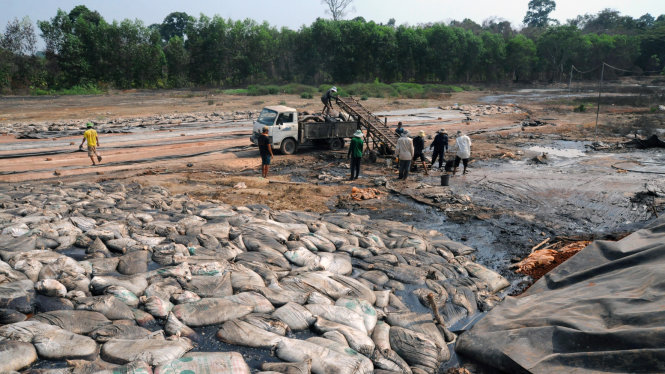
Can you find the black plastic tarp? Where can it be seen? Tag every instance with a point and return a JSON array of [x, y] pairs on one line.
[[602, 311]]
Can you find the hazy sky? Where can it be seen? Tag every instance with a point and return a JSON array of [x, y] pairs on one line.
[[295, 13]]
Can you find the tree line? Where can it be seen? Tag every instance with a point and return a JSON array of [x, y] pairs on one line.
[[83, 49]]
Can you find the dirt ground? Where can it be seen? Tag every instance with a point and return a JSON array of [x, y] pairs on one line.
[[503, 207]]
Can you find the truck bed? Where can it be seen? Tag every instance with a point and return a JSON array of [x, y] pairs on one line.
[[327, 130]]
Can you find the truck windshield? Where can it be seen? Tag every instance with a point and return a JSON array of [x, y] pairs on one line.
[[267, 117]]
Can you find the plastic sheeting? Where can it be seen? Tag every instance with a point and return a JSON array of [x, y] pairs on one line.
[[601, 311]]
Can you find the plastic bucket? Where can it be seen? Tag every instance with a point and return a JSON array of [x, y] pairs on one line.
[[445, 179], [389, 162]]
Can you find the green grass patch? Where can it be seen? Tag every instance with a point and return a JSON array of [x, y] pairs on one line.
[[86, 89], [362, 90]]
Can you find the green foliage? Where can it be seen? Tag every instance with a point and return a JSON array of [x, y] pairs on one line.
[[85, 89], [580, 109], [306, 95], [539, 13], [362, 58]]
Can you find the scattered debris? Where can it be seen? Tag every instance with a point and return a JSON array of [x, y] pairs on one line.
[[539, 160], [509, 155], [364, 193], [380, 181], [329, 178], [240, 186], [542, 261], [533, 123]]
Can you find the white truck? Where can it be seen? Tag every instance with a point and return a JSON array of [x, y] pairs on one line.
[[288, 132]]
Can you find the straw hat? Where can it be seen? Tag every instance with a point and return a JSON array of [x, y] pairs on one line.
[[421, 133]]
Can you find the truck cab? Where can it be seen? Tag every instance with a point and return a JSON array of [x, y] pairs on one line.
[[282, 123]]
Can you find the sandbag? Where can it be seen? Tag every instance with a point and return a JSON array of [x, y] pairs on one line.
[[60, 344], [135, 283], [416, 348], [51, 287], [253, 299], [76, 321], [338, 314], [281, 296], [494, 280], [358, 340], [209, 311], [245, 334], [209, 286], [156, 306], [135, 367], [303, 367], [133, 263], [296, 316], [324, 360], [113, 331], [18, 295], [24, 331], [206, 362], [123, 294], [151, 351], [173, 326], [267, 322], [15, 356], [108, 305], [8, 316], [363, 307]]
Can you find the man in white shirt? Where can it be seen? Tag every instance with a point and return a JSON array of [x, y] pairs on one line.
[[404, 152], [463, 146]]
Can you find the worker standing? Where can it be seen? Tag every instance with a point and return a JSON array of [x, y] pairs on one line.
[[399, 130], [265, 149], [418, 146], [463, 147], [404, 152], [90, 136], [356, 153], [440, 145], [326, 99]]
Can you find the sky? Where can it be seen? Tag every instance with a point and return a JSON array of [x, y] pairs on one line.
[[296, 13]]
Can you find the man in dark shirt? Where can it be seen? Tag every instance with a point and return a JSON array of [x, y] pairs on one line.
[[326, 100], [265, 149], [418, 146], [440, 145], [399, 130]]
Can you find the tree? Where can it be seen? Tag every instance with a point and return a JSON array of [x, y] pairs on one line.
[[337, 8], [520, 56], [19, 37], [539, 12], [175, 24]]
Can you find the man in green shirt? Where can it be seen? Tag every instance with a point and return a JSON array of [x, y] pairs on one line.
[[356, 153]]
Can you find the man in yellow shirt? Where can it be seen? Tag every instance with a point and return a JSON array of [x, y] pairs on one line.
[[90, 135]]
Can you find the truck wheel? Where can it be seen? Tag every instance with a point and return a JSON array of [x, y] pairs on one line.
[[336, 144], [288, 146]]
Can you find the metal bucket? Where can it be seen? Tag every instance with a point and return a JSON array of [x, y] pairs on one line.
[[445, 179]]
